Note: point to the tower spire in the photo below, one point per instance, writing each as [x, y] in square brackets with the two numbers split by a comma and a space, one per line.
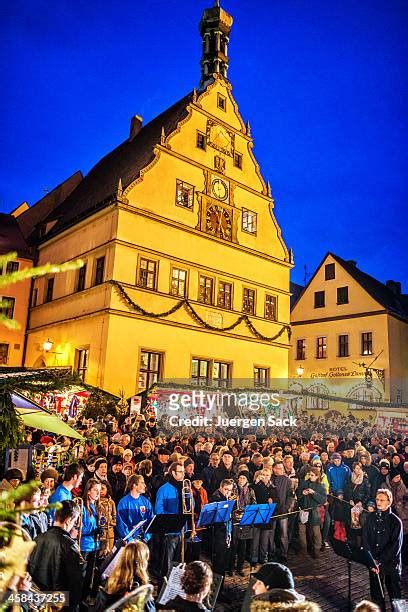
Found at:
[215, 27]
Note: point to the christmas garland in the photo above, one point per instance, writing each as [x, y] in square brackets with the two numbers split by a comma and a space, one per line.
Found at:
[189, 308]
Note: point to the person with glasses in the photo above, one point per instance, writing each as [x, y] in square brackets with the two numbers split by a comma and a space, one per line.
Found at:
[169, 501]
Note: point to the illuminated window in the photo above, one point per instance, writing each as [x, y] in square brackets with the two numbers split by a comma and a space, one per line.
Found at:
[149, 368]
[7, 306]
[81, 362]
[200, 371]
[261, 377]
[224, 295]
[249, 221]
[206, 290]
[367, 343]
[147, 273]
[248, 303]
[271, 307]
[178, 282]
[184, 194]
[221, 374]
[4, 350]
[321, 347]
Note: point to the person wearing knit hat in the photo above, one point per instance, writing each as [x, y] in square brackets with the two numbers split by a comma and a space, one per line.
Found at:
[274, 583]
[12, 479]
[338, 474]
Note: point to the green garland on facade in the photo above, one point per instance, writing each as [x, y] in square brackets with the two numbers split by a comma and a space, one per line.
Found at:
[189, 308]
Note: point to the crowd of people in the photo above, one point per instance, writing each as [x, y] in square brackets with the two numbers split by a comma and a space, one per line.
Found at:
[350, 485]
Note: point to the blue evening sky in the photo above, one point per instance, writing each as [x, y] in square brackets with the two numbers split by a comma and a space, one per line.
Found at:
[322, 82]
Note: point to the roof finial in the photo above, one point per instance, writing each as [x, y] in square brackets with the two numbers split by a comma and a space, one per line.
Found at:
[248, 128]
[215, 27]
[194, 95]
[269, 190]
[217, 4]
[163, 137]
[120, 188]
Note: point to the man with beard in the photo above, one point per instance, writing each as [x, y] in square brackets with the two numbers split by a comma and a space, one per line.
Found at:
[169, 501]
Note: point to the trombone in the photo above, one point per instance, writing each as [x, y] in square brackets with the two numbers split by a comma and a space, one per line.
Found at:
[187, 504]
[79, 502]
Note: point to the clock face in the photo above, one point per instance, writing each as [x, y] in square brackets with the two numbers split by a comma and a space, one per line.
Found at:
[218, 222]
[219, 189]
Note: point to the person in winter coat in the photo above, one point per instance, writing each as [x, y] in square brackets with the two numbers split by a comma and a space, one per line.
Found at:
[382, 537]
[372, 471]
[107, 510]
[338, 474]
[357, 489]
[12, 479]
[242, 535]
[55, 563]
[285, 498]
[264, 494]
[117, 479]
[400, 506]
[208, 475]
[310, 494]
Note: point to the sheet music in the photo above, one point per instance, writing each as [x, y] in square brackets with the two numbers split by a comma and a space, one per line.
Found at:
[108, 571]
[173, 586]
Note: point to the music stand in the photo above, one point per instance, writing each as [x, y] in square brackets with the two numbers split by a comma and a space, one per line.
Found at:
[216, 513]
[257, 514]
[166, 523]
[356, 554]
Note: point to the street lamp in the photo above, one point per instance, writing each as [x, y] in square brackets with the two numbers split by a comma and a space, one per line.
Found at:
[47, 345]
[299, 370]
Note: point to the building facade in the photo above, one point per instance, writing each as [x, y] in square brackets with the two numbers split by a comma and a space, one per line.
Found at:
[350, 337]
[14, 297]
[186, 273]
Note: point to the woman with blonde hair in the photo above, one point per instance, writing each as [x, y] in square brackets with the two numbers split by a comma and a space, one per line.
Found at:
[129, 573]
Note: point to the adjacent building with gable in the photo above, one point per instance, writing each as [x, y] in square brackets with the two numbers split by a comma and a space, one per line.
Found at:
[350, 330]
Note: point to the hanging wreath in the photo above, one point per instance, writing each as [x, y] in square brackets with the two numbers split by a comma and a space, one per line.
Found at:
[194, 315]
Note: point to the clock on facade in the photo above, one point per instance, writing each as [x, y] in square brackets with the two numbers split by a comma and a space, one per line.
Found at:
[219, 222]
[219, 189]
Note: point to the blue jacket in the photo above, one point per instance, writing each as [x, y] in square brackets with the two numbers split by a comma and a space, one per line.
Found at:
[130, 512]
[167, 499]
[338, 476]
[89, 530]
[60, 494]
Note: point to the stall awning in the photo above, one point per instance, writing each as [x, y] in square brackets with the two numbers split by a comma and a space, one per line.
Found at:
[38, 417]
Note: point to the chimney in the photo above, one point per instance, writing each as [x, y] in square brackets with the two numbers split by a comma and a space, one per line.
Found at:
[352, 262]
[394, 286]
[135, 126]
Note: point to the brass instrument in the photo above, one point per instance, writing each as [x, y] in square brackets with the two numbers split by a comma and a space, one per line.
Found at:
[187, 504]
[79, 502]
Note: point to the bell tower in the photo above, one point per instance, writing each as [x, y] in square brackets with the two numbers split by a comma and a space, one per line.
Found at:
[215, 27]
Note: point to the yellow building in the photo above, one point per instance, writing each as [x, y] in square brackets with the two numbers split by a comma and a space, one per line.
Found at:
[186, 273]
[15, 297]
[350, 337]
